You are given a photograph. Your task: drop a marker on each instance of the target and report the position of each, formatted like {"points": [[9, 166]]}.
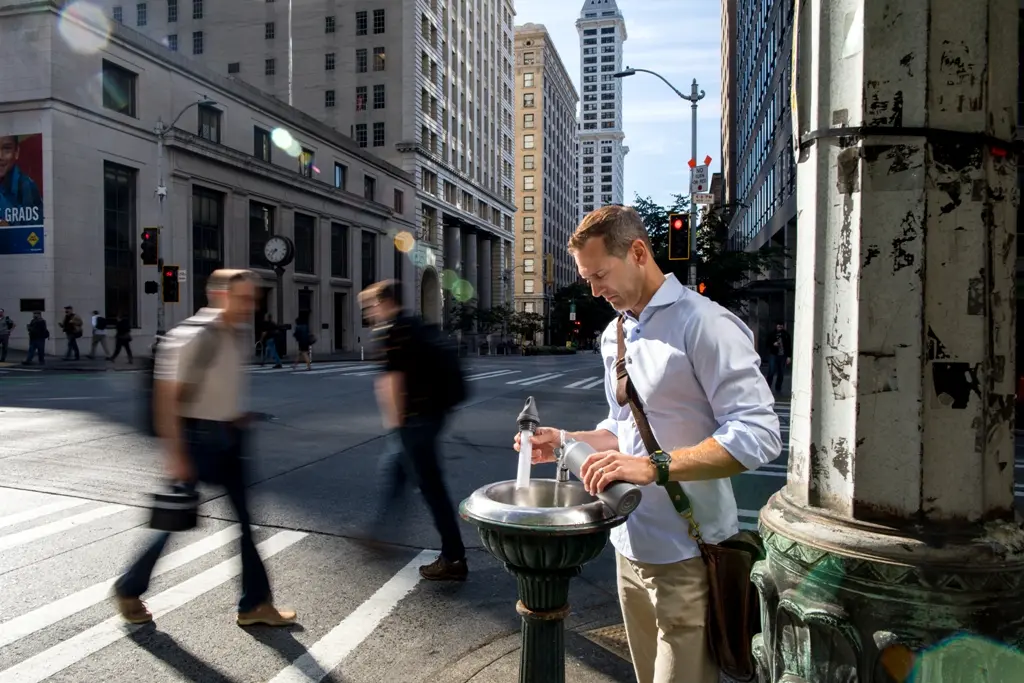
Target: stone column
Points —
{"points": [[895, 529], [469, 241], [484, 274], [452, 262]]}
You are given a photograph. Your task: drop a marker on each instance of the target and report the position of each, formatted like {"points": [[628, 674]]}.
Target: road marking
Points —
{"points": [[582, 381], [71, 651], [50, 614], [596, 383], [34, 534], [328, 652], [339, 370], [491, 375], [41, 511], [363, 374], [523, 380], [529, 381]]}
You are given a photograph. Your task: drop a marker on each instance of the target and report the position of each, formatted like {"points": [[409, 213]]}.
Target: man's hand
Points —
{"points": [[543, 442], [601, 469]]}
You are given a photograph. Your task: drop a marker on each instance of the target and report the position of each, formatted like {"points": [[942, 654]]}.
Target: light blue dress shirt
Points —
{"points": [[694, 366]]}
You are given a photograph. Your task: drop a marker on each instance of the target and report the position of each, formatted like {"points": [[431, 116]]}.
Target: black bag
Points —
{"points": [[101, 323], [177, 510], [443, 359]]}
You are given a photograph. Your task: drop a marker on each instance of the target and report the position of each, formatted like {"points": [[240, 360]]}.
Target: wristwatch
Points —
{"points": [[661, 460]]}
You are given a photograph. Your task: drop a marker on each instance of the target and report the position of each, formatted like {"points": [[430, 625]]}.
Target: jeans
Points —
{"points": [[419, 442], [72, 348], [270, 351], [36, 346], [4, 341], [216, 450], [776, 370]]}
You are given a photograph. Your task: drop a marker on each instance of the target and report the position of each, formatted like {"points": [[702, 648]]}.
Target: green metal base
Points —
{"points": [[543, 606], [845, 602]]}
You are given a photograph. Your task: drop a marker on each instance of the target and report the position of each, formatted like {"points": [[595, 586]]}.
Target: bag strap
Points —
{"points": [[625, 392]]}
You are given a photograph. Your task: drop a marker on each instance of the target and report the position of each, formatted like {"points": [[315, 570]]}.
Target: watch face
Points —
{"points": [[661, 458], [275, 250]]}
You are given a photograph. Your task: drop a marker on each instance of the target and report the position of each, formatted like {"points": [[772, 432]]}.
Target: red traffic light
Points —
{"points": [[677, 223], [169, 273]]}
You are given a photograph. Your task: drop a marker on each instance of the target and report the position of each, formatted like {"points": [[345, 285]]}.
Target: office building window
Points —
{"points": [[269, 67], [329, 61], [528, 265], [528, 160], [328, 24], [119, 89], [378, 59], [378, 96], [234, 67], [261, 146], [306, 162], [361, 23], [197, 9], [328, 98], [378, 134], [172, 11], [360, 98], [370, 188], [528, 141], [528, 224], [528, 286], [528, 182], [209, 123], [528, 244], [117, 14], [197, 42], [527, 120], [140, 14], [261, 229], [120, 257], [399, 205], [528, 204], [528, 307], [361, 134], [378, 21], [207, 240], [368, 253], [528, 99], [361, 61], [339, 250], [340, 175], [172, 43], [528, 80], [305, 244]]}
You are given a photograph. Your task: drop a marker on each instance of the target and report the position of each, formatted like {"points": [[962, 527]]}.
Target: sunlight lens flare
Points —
{"points": [[84, 27]]}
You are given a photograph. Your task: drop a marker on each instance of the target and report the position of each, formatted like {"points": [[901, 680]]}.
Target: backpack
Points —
{"points": [[207, 337], [101, 323], [443, 357]]}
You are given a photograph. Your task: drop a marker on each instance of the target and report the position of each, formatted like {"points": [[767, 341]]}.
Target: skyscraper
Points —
{"points": [[546, 195], [602, 32], [424, 84]]}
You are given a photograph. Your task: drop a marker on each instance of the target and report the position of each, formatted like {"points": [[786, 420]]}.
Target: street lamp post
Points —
{"points": [[161, 192], [695, 96]]}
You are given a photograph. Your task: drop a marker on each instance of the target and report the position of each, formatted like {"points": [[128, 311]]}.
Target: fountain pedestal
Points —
{"points": [[544, 534]]}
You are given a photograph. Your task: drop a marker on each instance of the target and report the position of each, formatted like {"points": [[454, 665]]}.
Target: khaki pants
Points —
{"points": [[664, 608]]}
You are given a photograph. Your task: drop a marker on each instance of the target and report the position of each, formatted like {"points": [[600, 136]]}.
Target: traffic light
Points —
{"points": [[170, 278], [701, 288], [150, 249], [679, 237]]}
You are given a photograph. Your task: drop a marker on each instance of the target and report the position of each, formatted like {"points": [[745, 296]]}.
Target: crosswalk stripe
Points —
{"points": [[50, 614], [523, 380], [35, 533], [338, 370], [585, 380], [328, 652], [490, 375], [596, 383], [41, 511], [75, 649]]}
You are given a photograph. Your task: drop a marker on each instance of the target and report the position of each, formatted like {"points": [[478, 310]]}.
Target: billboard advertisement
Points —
{"points": [[21, 194]]}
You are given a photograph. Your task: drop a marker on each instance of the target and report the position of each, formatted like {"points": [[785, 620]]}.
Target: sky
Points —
{"points": [[679, 39]]}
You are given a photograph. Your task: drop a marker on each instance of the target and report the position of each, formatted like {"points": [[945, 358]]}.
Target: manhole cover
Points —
{"points": [[611, 638]]}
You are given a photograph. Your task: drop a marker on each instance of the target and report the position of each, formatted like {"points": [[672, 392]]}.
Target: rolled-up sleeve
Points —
{"points": [[722, 351]]}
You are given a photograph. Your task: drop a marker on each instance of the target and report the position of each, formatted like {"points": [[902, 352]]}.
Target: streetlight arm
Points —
{"points": [[164, 129], [663, 80]]}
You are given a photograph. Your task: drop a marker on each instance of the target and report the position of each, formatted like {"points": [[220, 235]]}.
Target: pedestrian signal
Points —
{"points": [[679, 237]]}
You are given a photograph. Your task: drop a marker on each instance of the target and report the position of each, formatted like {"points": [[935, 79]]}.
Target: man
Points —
{"points": [[6, 325], [37, 336], [407, 395], [694, 367], [99, 335], [779, 357], [72, 327], [198, 390]]}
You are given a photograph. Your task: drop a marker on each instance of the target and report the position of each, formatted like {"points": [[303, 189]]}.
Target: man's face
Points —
{"points": [[618, 280], [8, 155], [237, 303], [377, 312], [779, 328]]}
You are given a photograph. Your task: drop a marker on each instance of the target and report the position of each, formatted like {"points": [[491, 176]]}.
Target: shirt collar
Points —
{"points": [[668, 293]]}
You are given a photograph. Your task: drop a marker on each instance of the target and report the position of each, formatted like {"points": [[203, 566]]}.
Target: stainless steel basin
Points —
{"points": [[545, 507]]}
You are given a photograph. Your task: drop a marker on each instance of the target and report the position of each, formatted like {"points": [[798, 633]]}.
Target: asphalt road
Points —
{"points": [[74, 479]]}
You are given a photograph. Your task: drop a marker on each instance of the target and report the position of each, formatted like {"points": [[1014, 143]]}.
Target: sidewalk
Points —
{"points": [[57, 364]]}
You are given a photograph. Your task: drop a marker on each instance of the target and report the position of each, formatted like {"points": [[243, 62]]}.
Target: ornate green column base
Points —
{"points": [[847, 602], [543, 605]]}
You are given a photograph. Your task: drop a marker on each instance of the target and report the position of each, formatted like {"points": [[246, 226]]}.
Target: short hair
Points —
{"points": [[385, 290], [619, 226], [223, 279]]}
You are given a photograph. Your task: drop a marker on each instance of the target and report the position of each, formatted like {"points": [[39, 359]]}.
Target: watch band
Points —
{"points": [[660, 466]]}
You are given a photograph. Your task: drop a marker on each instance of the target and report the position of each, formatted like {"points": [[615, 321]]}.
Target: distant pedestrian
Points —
{"points": [[72, 328], [421, 383], [304, 339], [6, 325], [38, 333], [780, 355], [268, 340], [99, 335], [198, 392], [122, 338]]}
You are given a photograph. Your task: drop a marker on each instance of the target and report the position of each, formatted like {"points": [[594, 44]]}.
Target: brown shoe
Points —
{"points": [[445, 570], [133, 610], [268, 615]]}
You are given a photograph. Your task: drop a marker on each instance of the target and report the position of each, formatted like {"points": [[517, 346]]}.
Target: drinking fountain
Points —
{"points": [[544, 532]]}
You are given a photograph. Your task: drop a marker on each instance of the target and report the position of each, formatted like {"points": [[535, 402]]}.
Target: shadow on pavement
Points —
{"points": [[166, 648]]}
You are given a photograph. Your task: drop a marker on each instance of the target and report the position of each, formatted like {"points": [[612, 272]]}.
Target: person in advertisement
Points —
{"points": [[21, 204]]}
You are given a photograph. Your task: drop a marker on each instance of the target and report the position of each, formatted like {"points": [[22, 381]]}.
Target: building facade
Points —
{"points": [[546, 193], [424, 84], [759, 173], [238, 167], [602, 31]]}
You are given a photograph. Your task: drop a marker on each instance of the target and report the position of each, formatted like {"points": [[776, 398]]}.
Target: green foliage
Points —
{"points": [[722, 270], [593, 314], [526, 325]]}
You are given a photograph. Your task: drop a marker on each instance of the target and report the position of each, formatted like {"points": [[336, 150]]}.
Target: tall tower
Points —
{"points": [[602, 156]]}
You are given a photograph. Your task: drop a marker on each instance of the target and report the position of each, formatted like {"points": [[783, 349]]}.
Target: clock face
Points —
{"points": [[276, 250]]}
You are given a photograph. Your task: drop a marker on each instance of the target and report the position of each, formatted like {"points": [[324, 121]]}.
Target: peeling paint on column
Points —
{"points": [[957, 67], [883, 112], [954, 383], [871, 252], [901, 258], [842, 457], [906, 62], [976, 296]]}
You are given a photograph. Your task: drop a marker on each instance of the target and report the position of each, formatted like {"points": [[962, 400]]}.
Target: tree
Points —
{"points": [[721, 270], [593, 313], [526, 325], [462, 318]]}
